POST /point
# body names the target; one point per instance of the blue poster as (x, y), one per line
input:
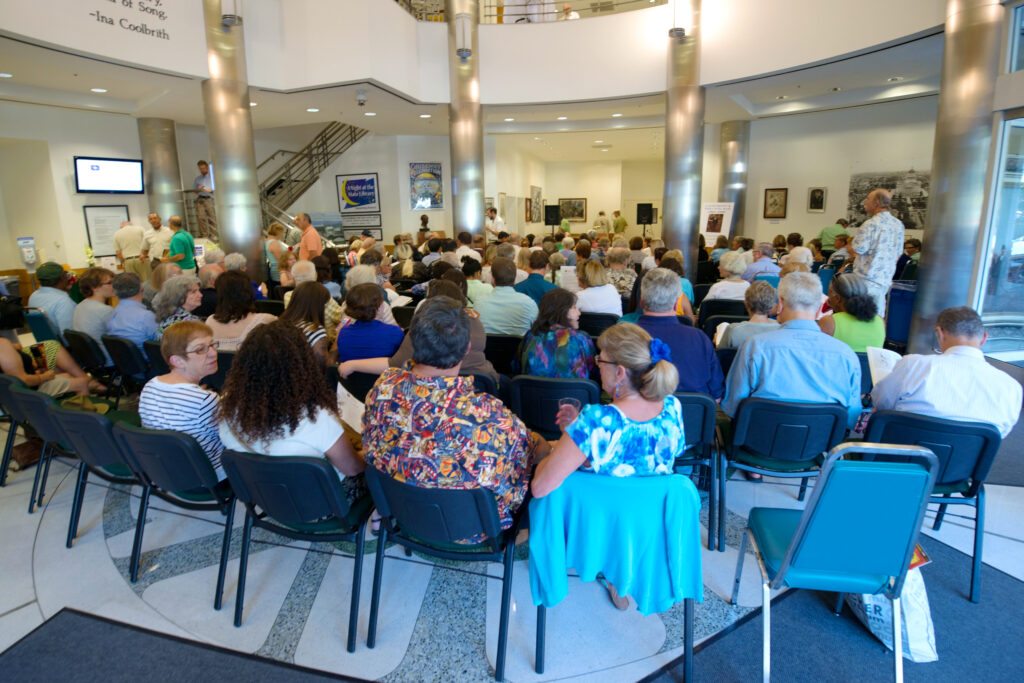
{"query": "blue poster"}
(358, 193)
(426, 190)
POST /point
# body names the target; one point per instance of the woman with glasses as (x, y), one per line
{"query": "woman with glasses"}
(176, 301)
(175, 401)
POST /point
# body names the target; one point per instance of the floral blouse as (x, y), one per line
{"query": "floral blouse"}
(559, 352)
(180, 315)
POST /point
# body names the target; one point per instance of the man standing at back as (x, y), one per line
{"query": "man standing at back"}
(183, 248)
(128, 247)
(310, 245)
(494, 223)
(878, 246)
(206, 217)
(619, 222)
(506, 311)
(156, 242)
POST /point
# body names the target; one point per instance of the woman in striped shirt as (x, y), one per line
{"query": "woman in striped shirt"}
(306, 312)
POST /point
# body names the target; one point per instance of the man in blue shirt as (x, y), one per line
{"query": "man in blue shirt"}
(535, 286)
(52, 296)
(205, 214)
(506, 311)
(762, 264)
(692, 352)
(798, 362)
(131, 319)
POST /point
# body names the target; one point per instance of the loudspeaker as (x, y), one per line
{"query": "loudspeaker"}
(644, 214)
(552, 215)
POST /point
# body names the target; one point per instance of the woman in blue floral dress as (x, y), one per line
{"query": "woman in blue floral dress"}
(554, 347)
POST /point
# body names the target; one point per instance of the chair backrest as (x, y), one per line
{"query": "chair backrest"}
(85, 350)
(707, 273)
(35, 405)
(280, 291)
(773, 280)
(965, 450)
(217, 379)
(502, 350)
(788, 431)
(8, 383)
(909, 271)
(627, 304)
(333, 378)
(156, 359)
(89, 435)
(825, 274)
(713, 321)
(535, 399)
(596, 323)
(172, 461)
(725, 359)
(359, 384)
(865, 374)
(434, 515)
(403, 315)
(126, 356)
(699, 412)
(271, 306)
(720, 307)
(899, 311)
(699, 292)
(292, 490)
(685, 319)
(42, 328)
(848, 537)
(484, 384)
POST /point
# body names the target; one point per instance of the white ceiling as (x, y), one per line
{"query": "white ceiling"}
(44, 75)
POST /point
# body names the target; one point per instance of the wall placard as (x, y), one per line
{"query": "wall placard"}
(716, 218)
(101, 222)
(358, 193)
(369, 220)
(426, 189)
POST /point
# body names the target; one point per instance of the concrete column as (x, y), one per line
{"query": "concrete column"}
(732, 183)
(684, 140)
(160, 166)
(465, 121)
(229, 125)
(963, 138)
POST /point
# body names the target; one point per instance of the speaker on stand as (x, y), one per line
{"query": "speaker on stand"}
(644, 216)
(552, 216)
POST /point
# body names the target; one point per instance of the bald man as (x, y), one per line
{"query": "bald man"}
(878, 246)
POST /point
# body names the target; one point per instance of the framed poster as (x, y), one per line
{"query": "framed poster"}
(528, 213)
(716, 218)
(816, 199)
(369, 220)
(775, 202)
(426, 189)
(101, 222)
(358, 192)
(575, 210)
(538, 205)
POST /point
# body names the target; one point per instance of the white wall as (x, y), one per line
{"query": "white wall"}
(29, 205)
(514, 172)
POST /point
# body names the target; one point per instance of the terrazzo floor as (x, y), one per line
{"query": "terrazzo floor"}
(437, 621)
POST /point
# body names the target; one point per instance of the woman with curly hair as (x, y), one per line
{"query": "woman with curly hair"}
(175, 302)
(855, 319)
(276, 401)
(235, 316)
(306, 311)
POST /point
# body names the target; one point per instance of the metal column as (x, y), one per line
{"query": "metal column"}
(684, 140)
(160, 163)
(732, 183)
(465, 121)
(963, 137)
(229, 124)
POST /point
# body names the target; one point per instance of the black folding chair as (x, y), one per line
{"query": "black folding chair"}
(41, 326)
(535, 400)
(280, 291)
(484, 384)
(700, 291)
(132, 366)
(90, 356)
(779, 439)
(16, 418)
(91, 437)
(359, 384)
(217, 379)
(965, 450)
(271, 306)
(712, 323)
(172, 466)
(403, 315)
(432, 521)
(502, 350)
(34, 407)
(596, 323)
(707, 274)
(156, 359)
(725, 359)
(685, 319)
(333, 378)
(299, 498)
(699, 412)
(720, 307)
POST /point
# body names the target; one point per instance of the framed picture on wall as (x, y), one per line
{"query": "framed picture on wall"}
(575, 209)
(528, 213)
(358, 192)
(816, 199)
(101, 222)
(426, 189)
(775, 202)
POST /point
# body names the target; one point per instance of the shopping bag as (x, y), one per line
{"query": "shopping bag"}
(875, 612)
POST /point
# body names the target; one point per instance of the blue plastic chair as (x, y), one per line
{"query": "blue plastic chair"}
(773, 280)
(826, 274)
(841, 542)
(41, 326)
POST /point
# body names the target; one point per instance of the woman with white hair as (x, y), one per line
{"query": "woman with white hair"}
(731, 267)
(360, 275)
(305, 271)
(176, 301)
(798, 255)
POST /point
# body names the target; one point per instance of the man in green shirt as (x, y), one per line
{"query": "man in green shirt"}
(183, 248)
(828, 235)
(619, 222)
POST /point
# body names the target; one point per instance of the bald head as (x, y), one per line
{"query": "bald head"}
(877, 201)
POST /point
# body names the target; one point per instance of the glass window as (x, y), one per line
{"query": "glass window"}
(1017, 40)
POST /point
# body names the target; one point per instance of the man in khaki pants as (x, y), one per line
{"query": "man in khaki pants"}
(128, 243)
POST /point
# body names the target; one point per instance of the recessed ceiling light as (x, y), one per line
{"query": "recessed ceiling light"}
(837, 89)
(312, 110)
(615, 116)
(605, 149)
(598, 142)
(370, 113)
(509, 118)
(253, 104)
(896, 79)
(100, 90)
(537, 139)
(5, 75)
(562, 118)
(781, 97)
(424, 116)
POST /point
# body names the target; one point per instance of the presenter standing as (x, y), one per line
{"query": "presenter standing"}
(205, 214)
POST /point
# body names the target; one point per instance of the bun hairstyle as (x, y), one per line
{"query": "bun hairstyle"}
(629, 345)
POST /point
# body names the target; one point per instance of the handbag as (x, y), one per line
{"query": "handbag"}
(12, 313)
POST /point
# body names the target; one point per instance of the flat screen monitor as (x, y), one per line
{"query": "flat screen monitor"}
(108, 176)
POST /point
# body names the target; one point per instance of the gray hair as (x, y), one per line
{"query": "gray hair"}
(568, 242)
(172, 295)
(207, 276)
(766, 248)
(305, 271)
(127, 285)
(801, 292)
(734, 263)
(234, 261)
(506, 250)
(515, 238)
(618, 255)
(358, 275)
(850, 285)
(214, 256)
(621, 242)
(961, 321)
(801, 255)
(760, 297)
(659, 290)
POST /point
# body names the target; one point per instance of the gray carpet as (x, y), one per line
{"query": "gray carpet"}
(1008, 468)
(975, 642)
(76, 646)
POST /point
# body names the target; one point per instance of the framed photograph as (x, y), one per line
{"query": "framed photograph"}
(816, 199)
(358, 193)
(426, 189)
(775, 202)
(101, 222)
(528, 213)
(575, 209)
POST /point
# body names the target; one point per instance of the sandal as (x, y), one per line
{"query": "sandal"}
(620, 602)
(375, 523)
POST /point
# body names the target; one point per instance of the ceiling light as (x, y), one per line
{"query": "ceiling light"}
(509, 118)
(605, 149)
(562, 118)
(781, 97)
(312, 110)
(6, 75)
(615, 116)
(253, 104)
(100, 90)
(370, 113)
(537, 139)
(896, 79)
(424, 116)
(598, 142)
(836, 89)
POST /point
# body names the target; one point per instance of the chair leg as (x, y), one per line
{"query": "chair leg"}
(803, 489)
(35, 481)
(897, 639)
(937, 524)
(838, 609)
(723, 468)
(739, 569)
(8, 450)
(766, 636)
(378, 569)
(542, 614)
(243, 567)
(688, 640)
(46, 474)
(76, 503)
(357, 579)
(225, 549)
(140, 524)
(712, 500)
(979, 537)
(506, 599)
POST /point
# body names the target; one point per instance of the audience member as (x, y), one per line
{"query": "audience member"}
(52, 296)
(177, 301)
(621, 272)
(854, 319)
(337, 269)
(284, 268)
(536, 284)
(877, 246)
(506, 250)
(273, 249)
(305, 271)
(554, 346)
(434, 245)
(214, 257)
(676, 256)
(828, 234)
(477, 289)
(61, 374)
(567, 250)
(597, 294)
(235, 315)
(306, 312)
(779, 247)
(237, 262)
(957, 384)
(466, 249)
(636, 250)
(93, 314)
(584, 250)
(506, 311)
(207, 289)
(683, 304)
(362, 335)
(731, 267)
(760, 301)
(815, 246)
(762, 264)
(799, 255)
(323, 271)
(131, 320)
(911, 252)
(721, 247)
(841, 253)
(407, 267)
(161, 274)
(652, 260)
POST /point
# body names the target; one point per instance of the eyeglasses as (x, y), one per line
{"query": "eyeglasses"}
(608, 362)
(201, 350)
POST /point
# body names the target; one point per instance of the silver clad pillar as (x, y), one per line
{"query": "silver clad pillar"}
(465, 121)
(160, 164)
(963, 137)
(684, 140)
(229, 124)
(732, 183)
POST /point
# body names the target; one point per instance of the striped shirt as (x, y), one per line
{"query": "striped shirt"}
(186, 408)
(313, 333)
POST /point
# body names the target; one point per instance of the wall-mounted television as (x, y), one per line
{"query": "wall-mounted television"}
(108, 176)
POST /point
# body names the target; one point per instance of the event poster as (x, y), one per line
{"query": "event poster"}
(716, 219)
(358, 193)
(426, 190)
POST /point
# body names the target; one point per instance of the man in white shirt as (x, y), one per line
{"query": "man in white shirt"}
(466, 247)
(959, 384)
(156, 242)
(128, 247)
(494, 223)
(878, 246)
